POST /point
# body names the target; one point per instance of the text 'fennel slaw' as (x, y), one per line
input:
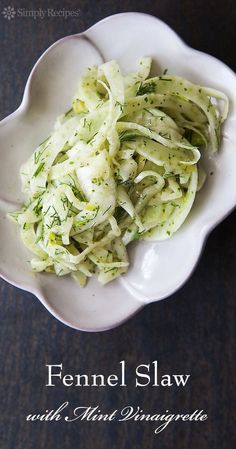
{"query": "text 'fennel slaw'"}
(120, 165)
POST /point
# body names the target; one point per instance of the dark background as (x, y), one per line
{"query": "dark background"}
(192, 332)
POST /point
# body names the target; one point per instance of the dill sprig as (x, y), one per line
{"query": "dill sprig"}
(39, 169)
(147, 88)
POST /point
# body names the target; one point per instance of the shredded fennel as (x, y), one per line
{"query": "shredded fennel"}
(120, 165)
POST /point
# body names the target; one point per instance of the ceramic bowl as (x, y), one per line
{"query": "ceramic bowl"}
(157, 269)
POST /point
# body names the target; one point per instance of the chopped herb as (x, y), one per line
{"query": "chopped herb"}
(106, 210)
(44, 141)
(38, 207)
(90, 140)
(38, 154)
(97, 181)
(68, 112)
(147, 88)
(45, 213)
(120, 105)
(39, 169)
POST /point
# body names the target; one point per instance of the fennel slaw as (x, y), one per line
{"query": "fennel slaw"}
(120, 165)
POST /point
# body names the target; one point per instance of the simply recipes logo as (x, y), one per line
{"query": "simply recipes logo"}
(144, 375)
(10, 13)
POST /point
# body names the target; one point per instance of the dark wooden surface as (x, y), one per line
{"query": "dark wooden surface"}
(193, 331)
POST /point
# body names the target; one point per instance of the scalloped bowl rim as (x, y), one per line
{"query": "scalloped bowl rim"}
(205, 230)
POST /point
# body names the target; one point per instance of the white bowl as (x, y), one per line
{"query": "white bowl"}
(157, 269)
